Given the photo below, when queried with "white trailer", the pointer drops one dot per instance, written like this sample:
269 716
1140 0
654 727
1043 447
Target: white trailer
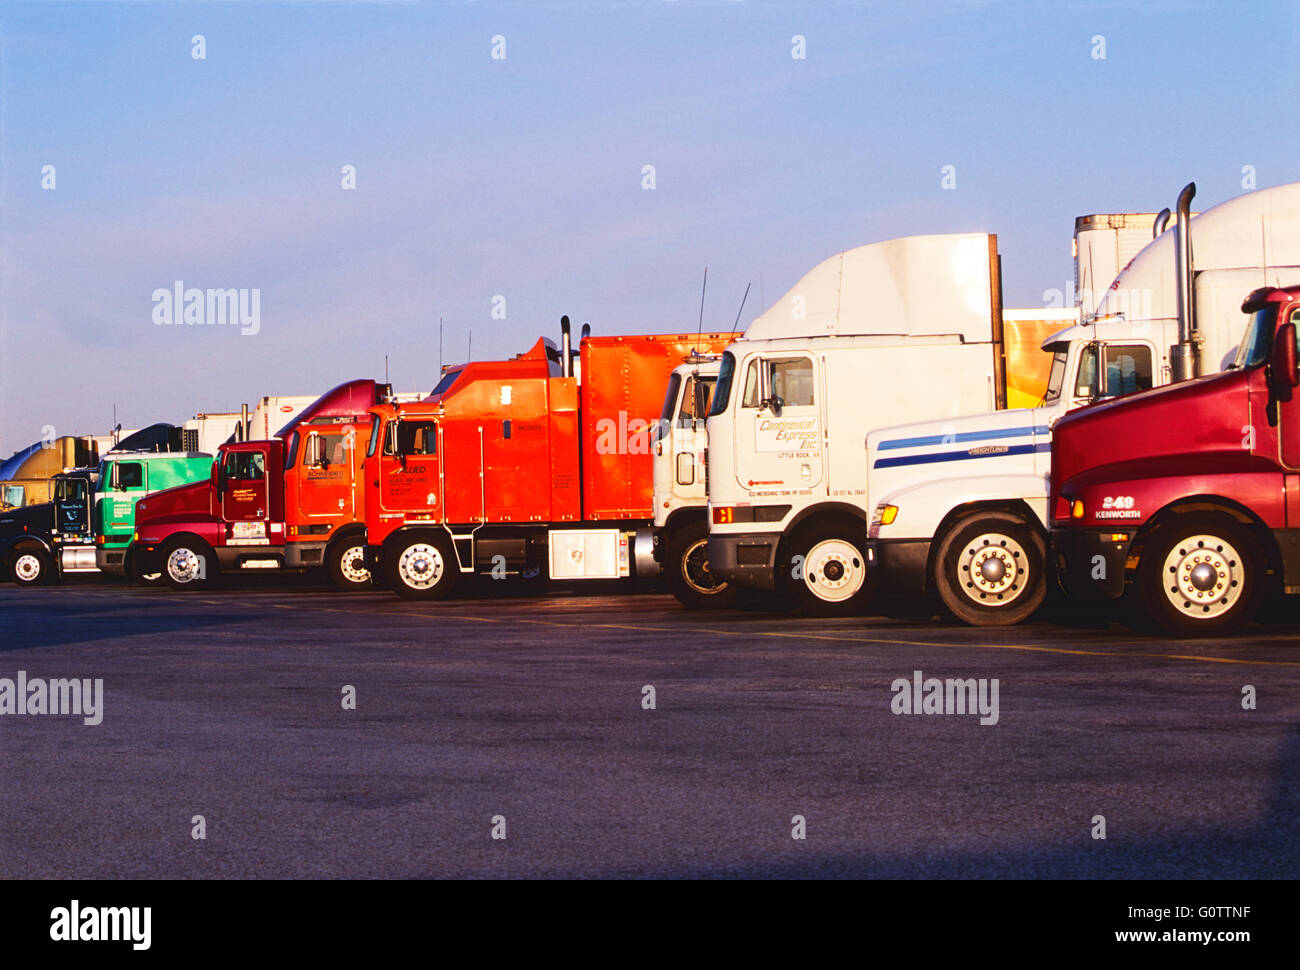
894 329
1104 243
960 506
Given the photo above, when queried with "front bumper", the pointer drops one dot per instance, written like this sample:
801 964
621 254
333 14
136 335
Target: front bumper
1090 562
745 558
899 565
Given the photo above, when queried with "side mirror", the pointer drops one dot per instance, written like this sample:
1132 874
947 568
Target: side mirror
775 404
113 479
1103 372
1282 375
702 401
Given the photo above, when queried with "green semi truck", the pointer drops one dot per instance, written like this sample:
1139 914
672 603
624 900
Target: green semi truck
124 479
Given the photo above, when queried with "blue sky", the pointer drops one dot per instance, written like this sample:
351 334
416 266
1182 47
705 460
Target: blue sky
521 177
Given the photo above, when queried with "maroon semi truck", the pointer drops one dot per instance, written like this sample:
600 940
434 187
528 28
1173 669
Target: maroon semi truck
1184 501
291 502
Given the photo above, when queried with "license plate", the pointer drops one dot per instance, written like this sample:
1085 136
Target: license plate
248 530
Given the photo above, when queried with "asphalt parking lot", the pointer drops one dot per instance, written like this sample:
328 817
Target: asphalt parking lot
527 714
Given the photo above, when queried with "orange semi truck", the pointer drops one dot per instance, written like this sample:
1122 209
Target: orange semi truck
523 466
290 502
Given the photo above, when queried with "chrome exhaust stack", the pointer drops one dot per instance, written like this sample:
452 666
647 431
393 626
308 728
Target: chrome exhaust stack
1182 355
566 356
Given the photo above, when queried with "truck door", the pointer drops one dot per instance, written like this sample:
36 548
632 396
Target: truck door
127 484
326 477
409 478
1288 414
779 424
245 503
688 435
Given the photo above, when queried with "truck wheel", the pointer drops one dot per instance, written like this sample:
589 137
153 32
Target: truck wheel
1201 575
990 569
421 566
187 563
828 569
31 567
686 570
142 579
347 564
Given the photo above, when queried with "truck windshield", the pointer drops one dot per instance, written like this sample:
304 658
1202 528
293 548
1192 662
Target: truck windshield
670 405
291 453
1258 339
374 436
1056 379
722 393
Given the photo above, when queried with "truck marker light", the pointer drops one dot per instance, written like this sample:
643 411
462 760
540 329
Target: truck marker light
724 515
888 513
1076 509
1119 537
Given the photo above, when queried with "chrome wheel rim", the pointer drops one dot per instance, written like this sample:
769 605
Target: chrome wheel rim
993 569
420 565
352 565
834 570
27 567
1204 576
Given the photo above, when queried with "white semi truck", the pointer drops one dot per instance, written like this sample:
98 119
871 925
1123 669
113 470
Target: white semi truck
894 329
960 506
679 541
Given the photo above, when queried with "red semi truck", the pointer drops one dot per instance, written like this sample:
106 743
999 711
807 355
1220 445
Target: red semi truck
522 466
1184 501
290 502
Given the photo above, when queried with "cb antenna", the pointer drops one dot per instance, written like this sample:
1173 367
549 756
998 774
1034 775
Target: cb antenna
742 307
702 290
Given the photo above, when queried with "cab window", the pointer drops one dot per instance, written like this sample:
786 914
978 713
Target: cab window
291 453
791 381
325 450
697 399
70 490
1128 370
374 436
130 474
753 394
245 466
415 438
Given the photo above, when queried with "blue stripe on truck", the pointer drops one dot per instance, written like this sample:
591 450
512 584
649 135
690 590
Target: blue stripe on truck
941 456
951 439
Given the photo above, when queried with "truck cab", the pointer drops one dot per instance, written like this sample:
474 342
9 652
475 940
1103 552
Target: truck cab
291 502
40 543
960 508
1183 501
681 527
908 327
124 479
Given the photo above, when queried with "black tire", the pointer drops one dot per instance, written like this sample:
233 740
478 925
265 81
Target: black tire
826 568
420 565
1201 575
686 570
346 562
31 566
990 568
142 579
187 562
